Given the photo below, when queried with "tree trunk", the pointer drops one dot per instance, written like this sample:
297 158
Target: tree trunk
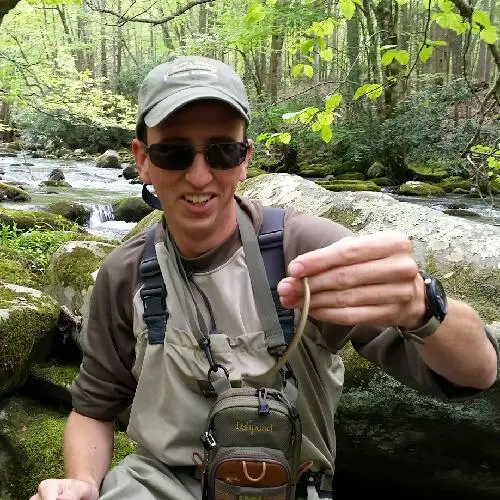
354 71
488 74
104 61
275 64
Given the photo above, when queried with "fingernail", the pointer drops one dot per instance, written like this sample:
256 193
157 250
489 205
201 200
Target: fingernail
296 269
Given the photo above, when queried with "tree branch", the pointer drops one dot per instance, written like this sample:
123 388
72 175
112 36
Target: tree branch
122 19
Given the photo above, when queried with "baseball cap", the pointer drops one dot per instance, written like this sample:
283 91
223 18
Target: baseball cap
173 84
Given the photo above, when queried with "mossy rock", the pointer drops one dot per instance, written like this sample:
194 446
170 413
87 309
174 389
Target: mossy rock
13 193
72 211
15 268
31 446
348 185
58 184
51 382
153 218
350 176
377 170
26 219
254 172
27 317
383 181
316 170
130 172
69 276
131 209
418 188
427 173
449 185
461 212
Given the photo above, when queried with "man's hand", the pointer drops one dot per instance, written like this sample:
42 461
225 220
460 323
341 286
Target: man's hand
362 279
66 489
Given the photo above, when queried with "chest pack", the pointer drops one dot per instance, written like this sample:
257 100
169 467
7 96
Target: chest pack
252 440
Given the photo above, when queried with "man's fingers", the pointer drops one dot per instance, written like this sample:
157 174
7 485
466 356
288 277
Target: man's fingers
383 315
349 251
47 490
355 297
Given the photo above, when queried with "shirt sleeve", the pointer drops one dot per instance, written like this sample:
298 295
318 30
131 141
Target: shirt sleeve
106 385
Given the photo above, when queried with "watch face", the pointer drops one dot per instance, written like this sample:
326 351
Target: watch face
441 303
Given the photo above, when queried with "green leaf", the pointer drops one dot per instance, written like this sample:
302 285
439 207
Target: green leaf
388 57
326 133
255 14
306 114
285 137
308 70
316 127
481 17
374 92
261 137
347 8
402 57
326 55
297 69
306 47
332 102
288 117
328 26
325 118
361 91
425 53
438 43
445 5
489 35
402 2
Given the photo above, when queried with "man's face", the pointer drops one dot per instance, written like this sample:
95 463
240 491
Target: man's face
198 201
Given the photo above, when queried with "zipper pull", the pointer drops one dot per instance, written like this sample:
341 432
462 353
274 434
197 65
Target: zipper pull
208 441
263 405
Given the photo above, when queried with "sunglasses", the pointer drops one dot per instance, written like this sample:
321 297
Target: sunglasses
179 156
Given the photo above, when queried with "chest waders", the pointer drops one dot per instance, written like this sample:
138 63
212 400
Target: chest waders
253 437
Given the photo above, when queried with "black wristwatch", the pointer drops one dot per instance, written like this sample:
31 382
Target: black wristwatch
436 307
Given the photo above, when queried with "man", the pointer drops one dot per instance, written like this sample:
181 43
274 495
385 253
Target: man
192 147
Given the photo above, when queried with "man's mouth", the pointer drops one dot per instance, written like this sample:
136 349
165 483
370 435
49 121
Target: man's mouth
198 199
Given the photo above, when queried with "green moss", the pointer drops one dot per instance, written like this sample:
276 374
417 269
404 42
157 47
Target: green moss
25 219
123 446
382 181
350 176
431 172
349 185
13 193
131 209
254 172
62 375
74 268
18 273
27 322
478 287
418 188
448 185
358 370
148 221
346 218
317 170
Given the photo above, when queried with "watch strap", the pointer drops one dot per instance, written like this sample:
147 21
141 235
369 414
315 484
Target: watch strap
418 335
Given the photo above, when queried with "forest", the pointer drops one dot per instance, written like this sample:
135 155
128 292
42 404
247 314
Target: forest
383 88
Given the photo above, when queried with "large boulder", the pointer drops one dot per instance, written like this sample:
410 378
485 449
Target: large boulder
27 318
131 209
392 433
419 188
70 210
12 193
15 268
109 159
26 219
130 172
71 273
31 436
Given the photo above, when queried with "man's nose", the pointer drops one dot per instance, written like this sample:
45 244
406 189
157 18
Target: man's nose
199 173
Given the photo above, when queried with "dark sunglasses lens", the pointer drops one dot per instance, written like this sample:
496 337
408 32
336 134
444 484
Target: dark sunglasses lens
171 156
224 156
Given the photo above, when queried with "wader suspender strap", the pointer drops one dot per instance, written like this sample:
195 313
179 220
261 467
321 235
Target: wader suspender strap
270 239
153 292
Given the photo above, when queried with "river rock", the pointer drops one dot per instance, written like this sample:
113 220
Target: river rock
27 317
25 219
71 273
377 169
15 268
73 211
56 175
130 172
12 193
131 209
109 159
419 188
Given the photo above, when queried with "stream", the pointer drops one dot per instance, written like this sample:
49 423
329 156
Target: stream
98 188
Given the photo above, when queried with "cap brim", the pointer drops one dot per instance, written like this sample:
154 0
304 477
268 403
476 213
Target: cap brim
165 108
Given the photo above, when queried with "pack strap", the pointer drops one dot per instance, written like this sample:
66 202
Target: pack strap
270 239
276 344
153 292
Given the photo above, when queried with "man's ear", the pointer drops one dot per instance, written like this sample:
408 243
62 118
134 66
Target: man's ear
141 161
244 165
